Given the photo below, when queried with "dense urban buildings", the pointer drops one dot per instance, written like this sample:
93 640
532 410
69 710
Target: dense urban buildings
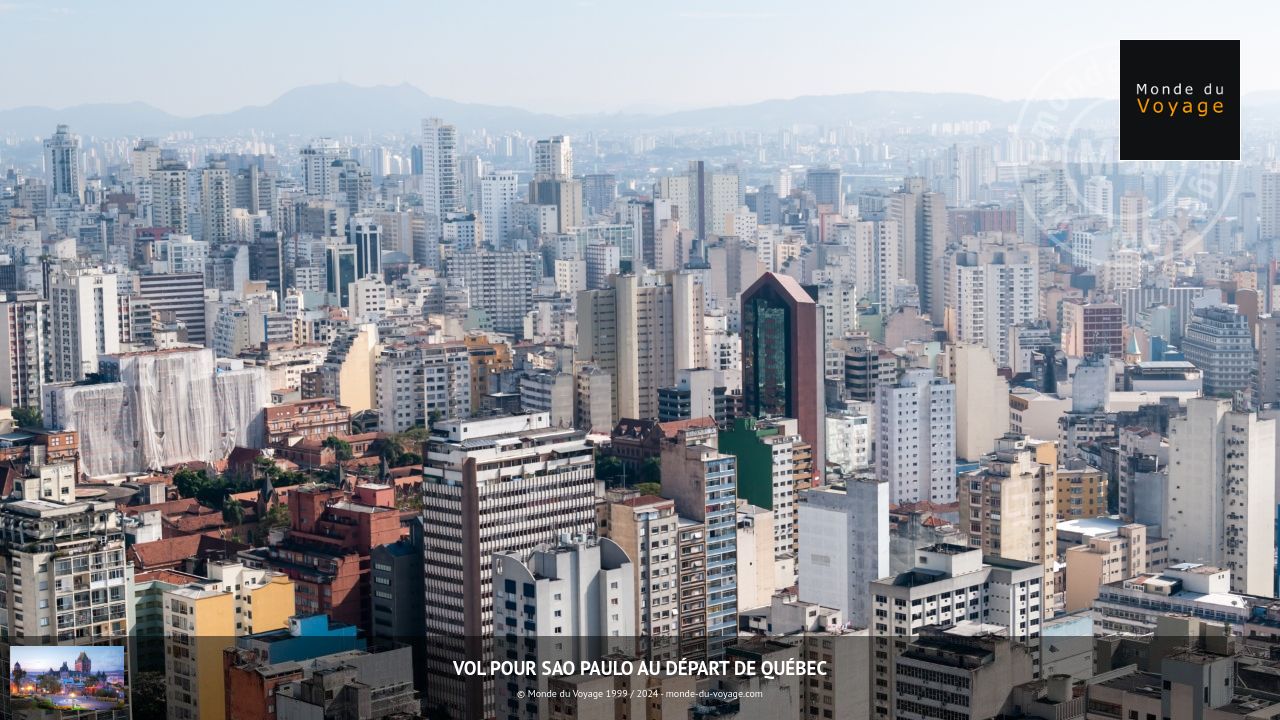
306 408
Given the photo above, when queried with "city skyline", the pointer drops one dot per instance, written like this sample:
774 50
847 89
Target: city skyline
714 37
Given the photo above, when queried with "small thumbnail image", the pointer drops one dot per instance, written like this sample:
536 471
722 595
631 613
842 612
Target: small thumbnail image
67 680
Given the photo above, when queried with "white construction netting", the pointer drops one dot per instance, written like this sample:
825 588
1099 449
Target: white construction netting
169 407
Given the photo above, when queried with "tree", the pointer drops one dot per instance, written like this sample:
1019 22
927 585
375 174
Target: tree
648 488
609 469
28 417
277 516
233 511
341 448
651 471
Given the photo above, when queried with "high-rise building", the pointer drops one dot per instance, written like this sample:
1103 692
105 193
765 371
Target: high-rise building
340 272
177 297
52 547
499 193
1099 198
84 321
982 406
844 545
1092 328
217 197
1008 506
583 589
24 341
553 158
772 464
602 261
916 449
599 191
646 527
782 357
62 162
202 616
500 484
440 192
642 330
317 160
824 184
417 384
1266 388
1221 506
921 219
1269 207
170 204
992 288
1135 220
702 482
499 283
1218 340
366 236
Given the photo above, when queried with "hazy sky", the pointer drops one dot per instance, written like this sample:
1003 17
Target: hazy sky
576 56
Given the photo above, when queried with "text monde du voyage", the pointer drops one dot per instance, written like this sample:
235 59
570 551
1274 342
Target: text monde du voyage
1180 99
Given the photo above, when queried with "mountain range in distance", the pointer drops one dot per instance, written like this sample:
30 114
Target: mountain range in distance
339 109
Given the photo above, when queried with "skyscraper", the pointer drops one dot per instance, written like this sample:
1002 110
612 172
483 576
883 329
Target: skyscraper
553 158
498 195
24 318
62 161
84 321
1221 506
340 272
824 183
317 166
642 330
992 288
922 230
366 236
916 450
216 200
169 202
703 483
1219 342
439 173
500 484
782 357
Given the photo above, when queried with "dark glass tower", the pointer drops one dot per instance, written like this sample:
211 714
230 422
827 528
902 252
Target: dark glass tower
782 358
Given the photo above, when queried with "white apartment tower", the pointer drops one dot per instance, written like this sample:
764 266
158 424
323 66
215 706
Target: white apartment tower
574 600
84 321
499 192
993 287
844 544
916 452
1220 506
553 158
439 173
24 365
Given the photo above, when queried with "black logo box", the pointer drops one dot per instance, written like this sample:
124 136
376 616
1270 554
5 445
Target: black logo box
1206 133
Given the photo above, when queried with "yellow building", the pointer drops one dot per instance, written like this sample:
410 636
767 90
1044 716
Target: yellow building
202 618
1082 493
1120 555
489 359
1008 505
